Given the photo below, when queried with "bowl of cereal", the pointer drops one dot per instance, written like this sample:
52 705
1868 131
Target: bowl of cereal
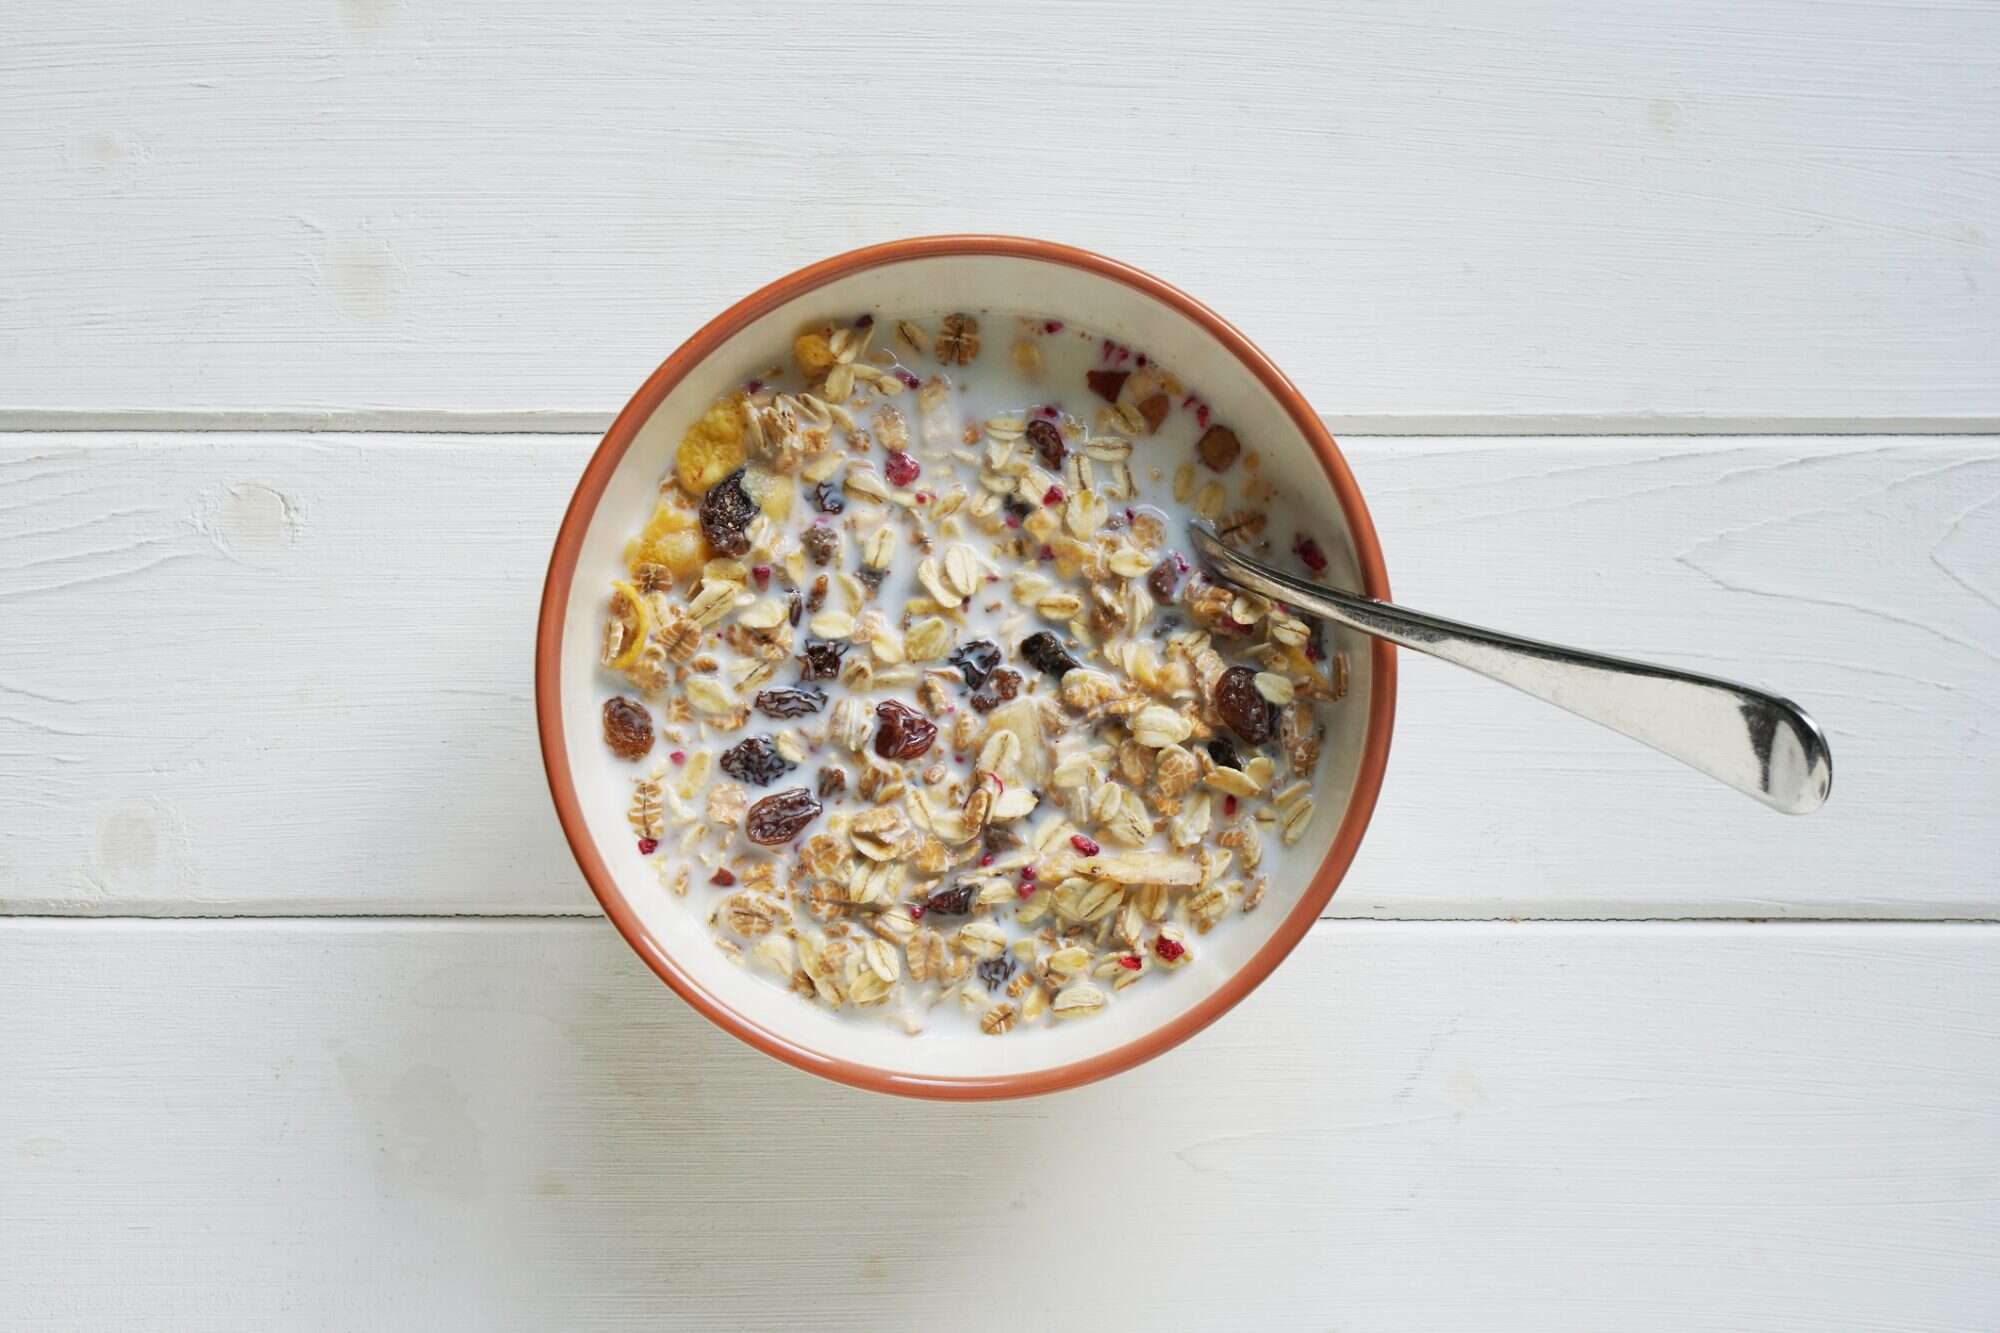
883 707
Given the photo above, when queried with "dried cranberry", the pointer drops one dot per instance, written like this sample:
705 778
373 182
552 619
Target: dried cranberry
901 469
726 512
986 860
904 733
679 756
1052 496
909 379
1048 443
628 727
780 816
755 760
1085 845
995 971
1052 326
1045 652
1223 752
1106 383
976 659
722 878
1130 962
762 574
790 703
1169 950
827 498
821 659
1028 872
1025 892
822 543
1307 550
1248 713
1229 806
954 901
647 846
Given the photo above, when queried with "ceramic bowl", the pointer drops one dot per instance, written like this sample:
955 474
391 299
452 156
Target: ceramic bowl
929 276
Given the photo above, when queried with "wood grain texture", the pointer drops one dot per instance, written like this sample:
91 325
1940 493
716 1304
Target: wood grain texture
1705 207
291 674
511 1125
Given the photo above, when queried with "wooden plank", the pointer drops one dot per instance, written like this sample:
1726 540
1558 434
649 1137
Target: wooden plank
1783 209
291 674
500 1125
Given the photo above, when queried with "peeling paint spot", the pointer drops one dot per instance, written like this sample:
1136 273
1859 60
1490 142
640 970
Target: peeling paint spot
142 852
364 16
1664 115
40 1147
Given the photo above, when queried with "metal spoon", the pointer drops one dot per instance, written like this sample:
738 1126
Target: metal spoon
1761 745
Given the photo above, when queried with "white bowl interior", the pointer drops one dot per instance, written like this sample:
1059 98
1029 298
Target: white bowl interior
928 286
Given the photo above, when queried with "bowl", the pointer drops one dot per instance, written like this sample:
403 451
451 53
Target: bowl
927 276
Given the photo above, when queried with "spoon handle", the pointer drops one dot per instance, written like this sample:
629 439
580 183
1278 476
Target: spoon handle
1761 745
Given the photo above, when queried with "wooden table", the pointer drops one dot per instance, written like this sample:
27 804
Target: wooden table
1670 329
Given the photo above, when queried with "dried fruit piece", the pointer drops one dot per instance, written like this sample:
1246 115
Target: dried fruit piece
726 512
1248 713
1048 443
813 350
1169 949
755 760
1224 753
1165 579
821 543
781 816
976 659
1154 410
1001 686
995 971
954 901
628 727
1086 845
790 703
1106 383
1307 550
1045 652
901 469
957 341
1218 448
827 499
903 732
821 659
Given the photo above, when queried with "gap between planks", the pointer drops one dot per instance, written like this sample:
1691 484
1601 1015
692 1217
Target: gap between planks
403 421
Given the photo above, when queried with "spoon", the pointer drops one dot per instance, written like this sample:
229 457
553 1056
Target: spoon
1761 745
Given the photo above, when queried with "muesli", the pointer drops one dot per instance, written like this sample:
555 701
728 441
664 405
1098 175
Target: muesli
931 717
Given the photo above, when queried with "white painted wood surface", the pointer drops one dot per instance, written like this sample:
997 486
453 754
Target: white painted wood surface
283 674
1782 208
244 1125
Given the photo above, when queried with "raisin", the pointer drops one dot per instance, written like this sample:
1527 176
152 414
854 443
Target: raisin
954 901
756 761
822 543
1048 442
821 659
1218 448
1223 752
780 816
827 498
904 732
999 687
1248 713
1315 641
628 727
795 607
976 659
1154 410
726 512
871 577
1106 383
1017 508
1164 581
1045 652
832 782
790 703
995 971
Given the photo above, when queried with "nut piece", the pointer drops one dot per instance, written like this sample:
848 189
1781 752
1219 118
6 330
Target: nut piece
1218 448
957 341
